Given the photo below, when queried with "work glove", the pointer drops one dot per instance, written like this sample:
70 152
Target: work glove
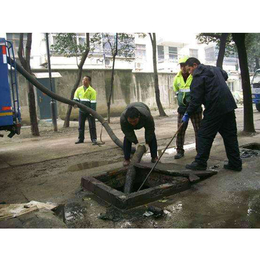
185 118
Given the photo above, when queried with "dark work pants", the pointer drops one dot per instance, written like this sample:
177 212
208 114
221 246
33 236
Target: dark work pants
128 146
92 126
226 126
195 119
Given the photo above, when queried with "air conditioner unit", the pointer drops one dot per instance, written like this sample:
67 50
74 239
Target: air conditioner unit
43 61
138 65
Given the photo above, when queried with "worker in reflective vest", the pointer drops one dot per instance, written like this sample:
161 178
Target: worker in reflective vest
86 95
181 86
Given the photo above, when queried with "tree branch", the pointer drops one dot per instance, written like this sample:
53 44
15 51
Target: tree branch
211 35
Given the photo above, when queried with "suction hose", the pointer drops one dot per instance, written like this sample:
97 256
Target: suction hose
53 95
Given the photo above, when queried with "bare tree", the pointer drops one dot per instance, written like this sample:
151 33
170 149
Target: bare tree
122 45
31 96
222 48
114 53
220 39
66 45
156 81
239 39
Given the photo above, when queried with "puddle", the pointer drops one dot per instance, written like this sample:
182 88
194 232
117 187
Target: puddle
246 153
243 212
74 212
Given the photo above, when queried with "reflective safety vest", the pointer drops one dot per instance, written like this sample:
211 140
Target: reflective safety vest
86 97
182 88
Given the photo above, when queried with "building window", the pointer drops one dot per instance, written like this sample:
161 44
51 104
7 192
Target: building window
194 53
160 53
14 38
210 54
82 41
173 54
140 51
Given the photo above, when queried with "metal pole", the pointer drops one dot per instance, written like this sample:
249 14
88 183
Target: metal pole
160 157
53 112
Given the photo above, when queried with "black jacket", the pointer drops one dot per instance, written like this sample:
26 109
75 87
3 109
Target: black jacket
146 121
210 89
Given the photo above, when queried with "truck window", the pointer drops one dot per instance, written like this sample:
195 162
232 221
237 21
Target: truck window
256 80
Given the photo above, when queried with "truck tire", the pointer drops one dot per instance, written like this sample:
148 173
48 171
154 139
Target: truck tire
258 106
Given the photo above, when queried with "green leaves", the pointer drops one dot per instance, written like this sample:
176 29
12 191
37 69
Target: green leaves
69 44
73 45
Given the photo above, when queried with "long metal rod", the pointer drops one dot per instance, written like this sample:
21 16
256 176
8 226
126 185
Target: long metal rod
160 157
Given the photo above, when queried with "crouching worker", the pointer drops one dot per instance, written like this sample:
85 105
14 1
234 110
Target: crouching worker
136 116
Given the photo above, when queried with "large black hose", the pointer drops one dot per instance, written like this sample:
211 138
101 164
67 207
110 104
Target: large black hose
38 85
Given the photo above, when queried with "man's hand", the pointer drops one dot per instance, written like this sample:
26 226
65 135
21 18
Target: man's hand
185 118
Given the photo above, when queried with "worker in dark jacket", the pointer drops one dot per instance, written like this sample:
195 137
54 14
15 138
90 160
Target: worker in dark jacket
136 116
210 89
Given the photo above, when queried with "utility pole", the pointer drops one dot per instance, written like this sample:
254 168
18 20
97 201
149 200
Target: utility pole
53 112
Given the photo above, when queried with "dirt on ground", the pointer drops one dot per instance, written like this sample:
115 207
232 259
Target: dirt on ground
49 168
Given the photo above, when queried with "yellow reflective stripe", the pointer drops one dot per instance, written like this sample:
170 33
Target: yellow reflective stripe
6 114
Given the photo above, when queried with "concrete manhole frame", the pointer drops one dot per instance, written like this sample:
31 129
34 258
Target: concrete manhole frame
104 185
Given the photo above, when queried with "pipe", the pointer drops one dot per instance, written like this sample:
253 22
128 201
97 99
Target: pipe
53 95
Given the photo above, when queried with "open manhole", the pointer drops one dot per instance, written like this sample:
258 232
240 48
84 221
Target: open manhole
250 150
109 186
252 146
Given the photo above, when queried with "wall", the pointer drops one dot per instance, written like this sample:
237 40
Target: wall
128 87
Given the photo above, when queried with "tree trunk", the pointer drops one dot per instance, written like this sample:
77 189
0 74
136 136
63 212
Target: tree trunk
239 39
31 96
221 53
79 74
156 81
256 63
112 82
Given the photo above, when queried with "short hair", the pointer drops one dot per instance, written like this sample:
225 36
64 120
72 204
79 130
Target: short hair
132 113
89 78
191 61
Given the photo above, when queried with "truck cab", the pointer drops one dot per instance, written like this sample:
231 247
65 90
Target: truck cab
255 87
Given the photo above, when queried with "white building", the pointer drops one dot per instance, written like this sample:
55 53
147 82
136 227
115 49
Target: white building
169 49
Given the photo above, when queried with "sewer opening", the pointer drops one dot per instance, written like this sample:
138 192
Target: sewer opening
116 179
162 182
252 146
250 150
135 187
